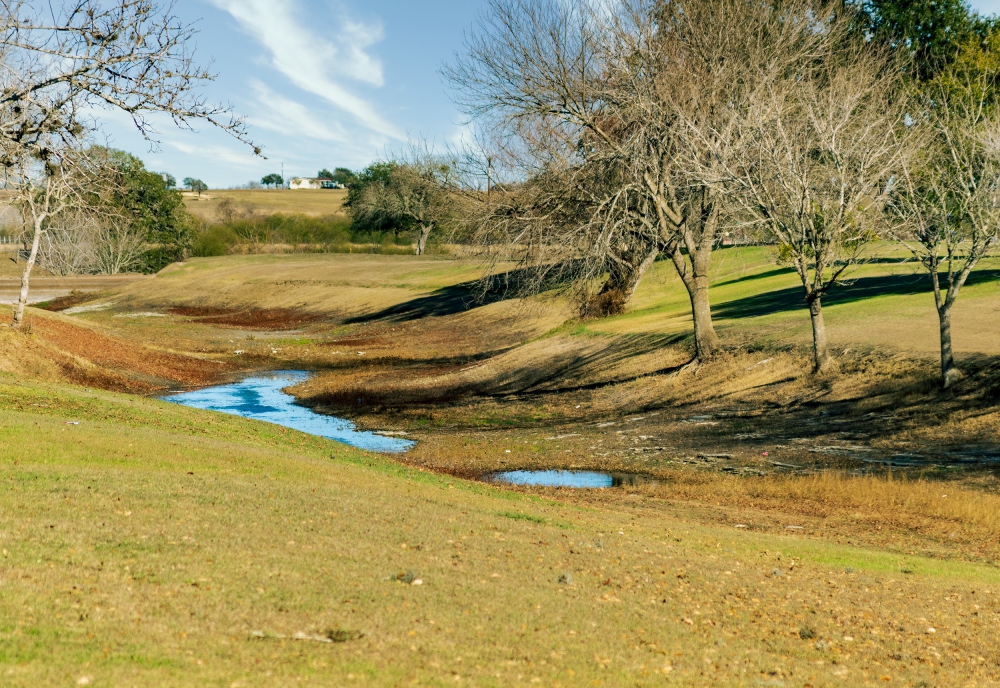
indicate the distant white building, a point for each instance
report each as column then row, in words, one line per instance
column 314, row 183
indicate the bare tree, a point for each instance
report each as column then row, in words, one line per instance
column 823, row 146
column 56, row 64
column 948, row 199
column 45, row 188
column 68, row 246
column 637, row 104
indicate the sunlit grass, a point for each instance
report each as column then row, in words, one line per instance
column 156, row 545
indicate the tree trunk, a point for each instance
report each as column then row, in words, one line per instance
column 697, row 281
column 949, row 373
column 706, row 341
column 619, row 288
column 22, row 299
column 821, row 350
column 425, row 231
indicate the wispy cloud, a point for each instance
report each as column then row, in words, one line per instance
column 286, row 116
column 237, row 158
column 312, row 63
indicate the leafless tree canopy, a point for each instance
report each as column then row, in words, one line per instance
column 821, row 148
column 61, row 63
column 129, row 55
column 947, row 200
column 626, row 125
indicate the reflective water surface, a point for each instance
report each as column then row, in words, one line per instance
column 261, row 398
column 575, row 479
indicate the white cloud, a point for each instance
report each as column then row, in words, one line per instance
column 310, row 62
column 286, row 116
column 239, row 158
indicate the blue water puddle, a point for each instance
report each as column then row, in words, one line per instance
column 261, row 398
column 573, row 479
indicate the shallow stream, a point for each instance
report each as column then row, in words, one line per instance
column 572, row 479
column 260, row 397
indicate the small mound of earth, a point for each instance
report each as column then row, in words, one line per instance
column 274, row 319
column 74, row 298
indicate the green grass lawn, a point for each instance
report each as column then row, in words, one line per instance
column 151, row 544
column 883, row 303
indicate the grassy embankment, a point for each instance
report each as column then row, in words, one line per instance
column 157, row 545
column 505, row 385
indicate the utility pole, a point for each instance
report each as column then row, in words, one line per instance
column 489, row 176
column 282, row 175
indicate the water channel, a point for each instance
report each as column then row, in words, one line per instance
column 571, row 479
column 261, row 398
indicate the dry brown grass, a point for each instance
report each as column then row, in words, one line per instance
column 631, row 586
column 469, row 381
column 156, row 545
column 268, row 201
column 55, row 348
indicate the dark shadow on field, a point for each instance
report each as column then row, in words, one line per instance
column 459, row 298
column 576, row 371
column 565, row 372
column 774, row 272
column 859, row 289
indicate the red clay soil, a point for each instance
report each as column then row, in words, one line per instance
column 268, row 319
column 121, row 365
column 74, row 298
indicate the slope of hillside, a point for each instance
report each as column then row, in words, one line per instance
column 146, row 544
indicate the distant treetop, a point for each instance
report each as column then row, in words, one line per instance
column 273, row 180
column 931, row 31
column 341, row 175
column 195, row 185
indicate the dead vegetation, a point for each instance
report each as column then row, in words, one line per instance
column 750, row 437
column 266, row 319
column 58, row 349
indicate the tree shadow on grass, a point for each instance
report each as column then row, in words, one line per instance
column 459, row 298
column 584, row 369
column 859, row 289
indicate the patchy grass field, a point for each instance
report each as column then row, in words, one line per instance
column 882, row 490
column 152, row 544
column 268, row 201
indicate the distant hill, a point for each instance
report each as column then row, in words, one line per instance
column 268, row 201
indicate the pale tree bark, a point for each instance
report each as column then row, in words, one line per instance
column 821, row 349
column 947, row 203
column 22, row 299
column 38, row 215
column 944, row 301
column 425, row 232
column 691, row 231
column 695, row 273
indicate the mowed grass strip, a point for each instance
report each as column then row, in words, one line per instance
column 157, row 545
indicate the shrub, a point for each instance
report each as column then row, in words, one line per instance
column 216, row 240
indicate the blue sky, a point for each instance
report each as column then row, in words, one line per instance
column 323, row 83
